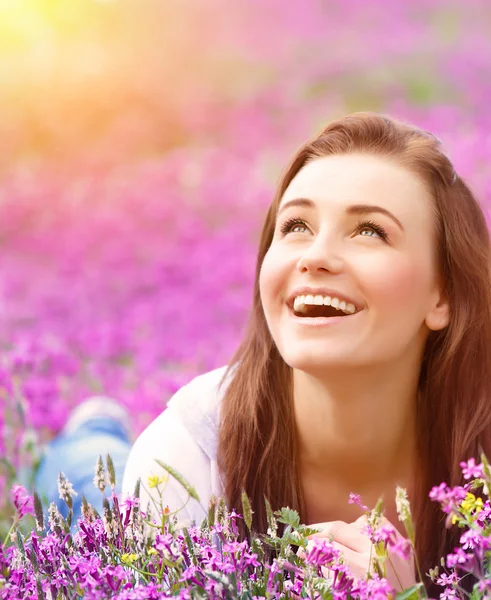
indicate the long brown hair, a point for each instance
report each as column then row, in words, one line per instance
column 257, row 442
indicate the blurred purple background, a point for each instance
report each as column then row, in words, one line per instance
column 140, row 143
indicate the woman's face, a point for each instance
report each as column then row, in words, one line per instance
column 357, row 229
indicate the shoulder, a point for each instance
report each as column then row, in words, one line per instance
column 184, row 436
column 198, row 402
column 192, row 412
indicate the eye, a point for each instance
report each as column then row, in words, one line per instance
column 371, row 229
column 293, row 225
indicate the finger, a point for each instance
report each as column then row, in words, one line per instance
column 348, row 535
column 358, row 562
column 327, row 525
column 360, row 522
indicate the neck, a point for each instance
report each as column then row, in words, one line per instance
column 357, row 429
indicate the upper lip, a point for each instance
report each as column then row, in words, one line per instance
column 321, row 291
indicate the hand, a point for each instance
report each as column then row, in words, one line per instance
column 355, row 547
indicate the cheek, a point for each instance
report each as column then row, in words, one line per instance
column 267, row 283
column 271, row 276
column 402, row 284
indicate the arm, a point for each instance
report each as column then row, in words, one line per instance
column 168, row 440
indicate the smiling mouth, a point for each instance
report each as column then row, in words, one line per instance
column 313, row 311
column 318, row 306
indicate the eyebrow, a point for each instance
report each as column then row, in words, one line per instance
column 354, row 209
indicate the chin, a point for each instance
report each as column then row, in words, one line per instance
column 316, row 363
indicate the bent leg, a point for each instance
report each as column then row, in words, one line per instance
column 75, row 452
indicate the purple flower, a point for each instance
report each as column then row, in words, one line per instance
column 472, row 539
column 449, row 594
column 472, row 471
column 374, row 588
column 129, row 502
column 23, row 502
column 449, row 498
column 356, row 499
column 461, row 559
column 484, row 585
column 445, row 579
column 322, row 553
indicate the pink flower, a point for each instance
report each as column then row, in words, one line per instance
column 356, row 499
column 470, row 470
column 449, row 498
column 129, row 502
column 484, row 585
column 445, row 580
column 449, row 594
column 322, row 553
column 401, row 547
column 23, row 502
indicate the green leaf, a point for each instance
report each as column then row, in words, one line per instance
column 486, row 467
column 178, row 477
column 288, row 517
column 20, row 544
column 410, row 594
column 307, row 530
column 111, row 471
column 246, row 510
column 136, row 491
column 38, row 510
column 212, row 507
column 323, row 586
column 292, row 538
column 221, row 512
column 272, row 523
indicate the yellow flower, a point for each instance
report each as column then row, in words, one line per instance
column 128, row 558
column 155, row 480
column 471, row 503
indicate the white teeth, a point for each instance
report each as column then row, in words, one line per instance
column 350, row 308
column 301, row 302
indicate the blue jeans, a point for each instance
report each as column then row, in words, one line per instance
column 76, row 454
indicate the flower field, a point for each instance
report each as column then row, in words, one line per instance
column 140, row 145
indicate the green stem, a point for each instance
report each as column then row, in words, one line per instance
column 395, row 572
column 369, row 562
column 418, row 569
column 10, row 531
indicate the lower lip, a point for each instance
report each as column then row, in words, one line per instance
column 320, row 321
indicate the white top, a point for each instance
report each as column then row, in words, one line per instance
column 184, row 436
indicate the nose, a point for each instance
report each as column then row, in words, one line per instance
column 321, row 255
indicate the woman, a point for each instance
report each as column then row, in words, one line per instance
column 365, row 364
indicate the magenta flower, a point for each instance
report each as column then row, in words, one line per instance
column 375, row 588
column 470, row 470
column 449, row 498
column 322, row 553
column 460, row 559
column 448, row 580
column 449, row 594
column 356, row 499
column 23, row 502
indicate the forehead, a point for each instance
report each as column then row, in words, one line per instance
column 335, row 182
